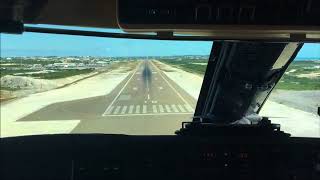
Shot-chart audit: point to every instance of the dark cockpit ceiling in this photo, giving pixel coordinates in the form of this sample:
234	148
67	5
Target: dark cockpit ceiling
210	18
93	13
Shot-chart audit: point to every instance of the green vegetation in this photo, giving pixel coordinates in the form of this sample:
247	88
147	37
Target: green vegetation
18	62
296	77
290	82
59	74
197	66
9	88
51	75
303	67
296	83
11	72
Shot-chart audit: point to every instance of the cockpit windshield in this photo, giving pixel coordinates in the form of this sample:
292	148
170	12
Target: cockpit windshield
52	84
71	84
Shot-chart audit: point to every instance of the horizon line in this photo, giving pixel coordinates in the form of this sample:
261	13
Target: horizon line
297	58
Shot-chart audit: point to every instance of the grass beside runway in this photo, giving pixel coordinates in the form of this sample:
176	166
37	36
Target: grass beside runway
301	75
197	66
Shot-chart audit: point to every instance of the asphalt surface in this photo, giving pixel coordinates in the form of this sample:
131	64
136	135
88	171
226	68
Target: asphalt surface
145	102
307	101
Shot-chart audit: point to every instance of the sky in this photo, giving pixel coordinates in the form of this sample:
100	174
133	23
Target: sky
36	44
31	44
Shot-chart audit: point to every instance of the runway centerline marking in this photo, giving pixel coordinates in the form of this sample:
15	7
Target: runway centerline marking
147	85
147	108
114	100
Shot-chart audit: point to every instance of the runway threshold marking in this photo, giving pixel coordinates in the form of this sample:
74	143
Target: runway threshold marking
131	109
124	109
116	111
138	109
170	85
154	109
188	107
174	107
144	109
161	109
167	108
114	100
151	114
181	108
109	110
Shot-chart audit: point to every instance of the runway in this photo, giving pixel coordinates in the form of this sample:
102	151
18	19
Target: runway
145	102
148	92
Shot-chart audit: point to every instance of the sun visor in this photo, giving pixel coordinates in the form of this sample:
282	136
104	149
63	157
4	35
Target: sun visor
15	12
80	13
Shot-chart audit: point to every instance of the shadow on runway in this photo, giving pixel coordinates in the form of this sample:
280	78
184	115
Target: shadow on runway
146	76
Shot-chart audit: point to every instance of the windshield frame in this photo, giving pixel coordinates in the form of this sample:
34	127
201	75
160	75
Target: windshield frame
173	36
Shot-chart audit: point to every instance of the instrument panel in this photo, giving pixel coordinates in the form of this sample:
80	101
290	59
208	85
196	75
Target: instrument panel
81	157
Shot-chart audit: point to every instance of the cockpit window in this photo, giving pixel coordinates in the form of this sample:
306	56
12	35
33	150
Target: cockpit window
52	84
295	100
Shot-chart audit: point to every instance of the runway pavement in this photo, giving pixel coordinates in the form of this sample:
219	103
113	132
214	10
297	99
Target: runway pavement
145	102
147	91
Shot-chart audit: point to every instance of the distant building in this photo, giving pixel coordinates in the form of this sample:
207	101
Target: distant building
37	67
81	65
102	63
64	65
